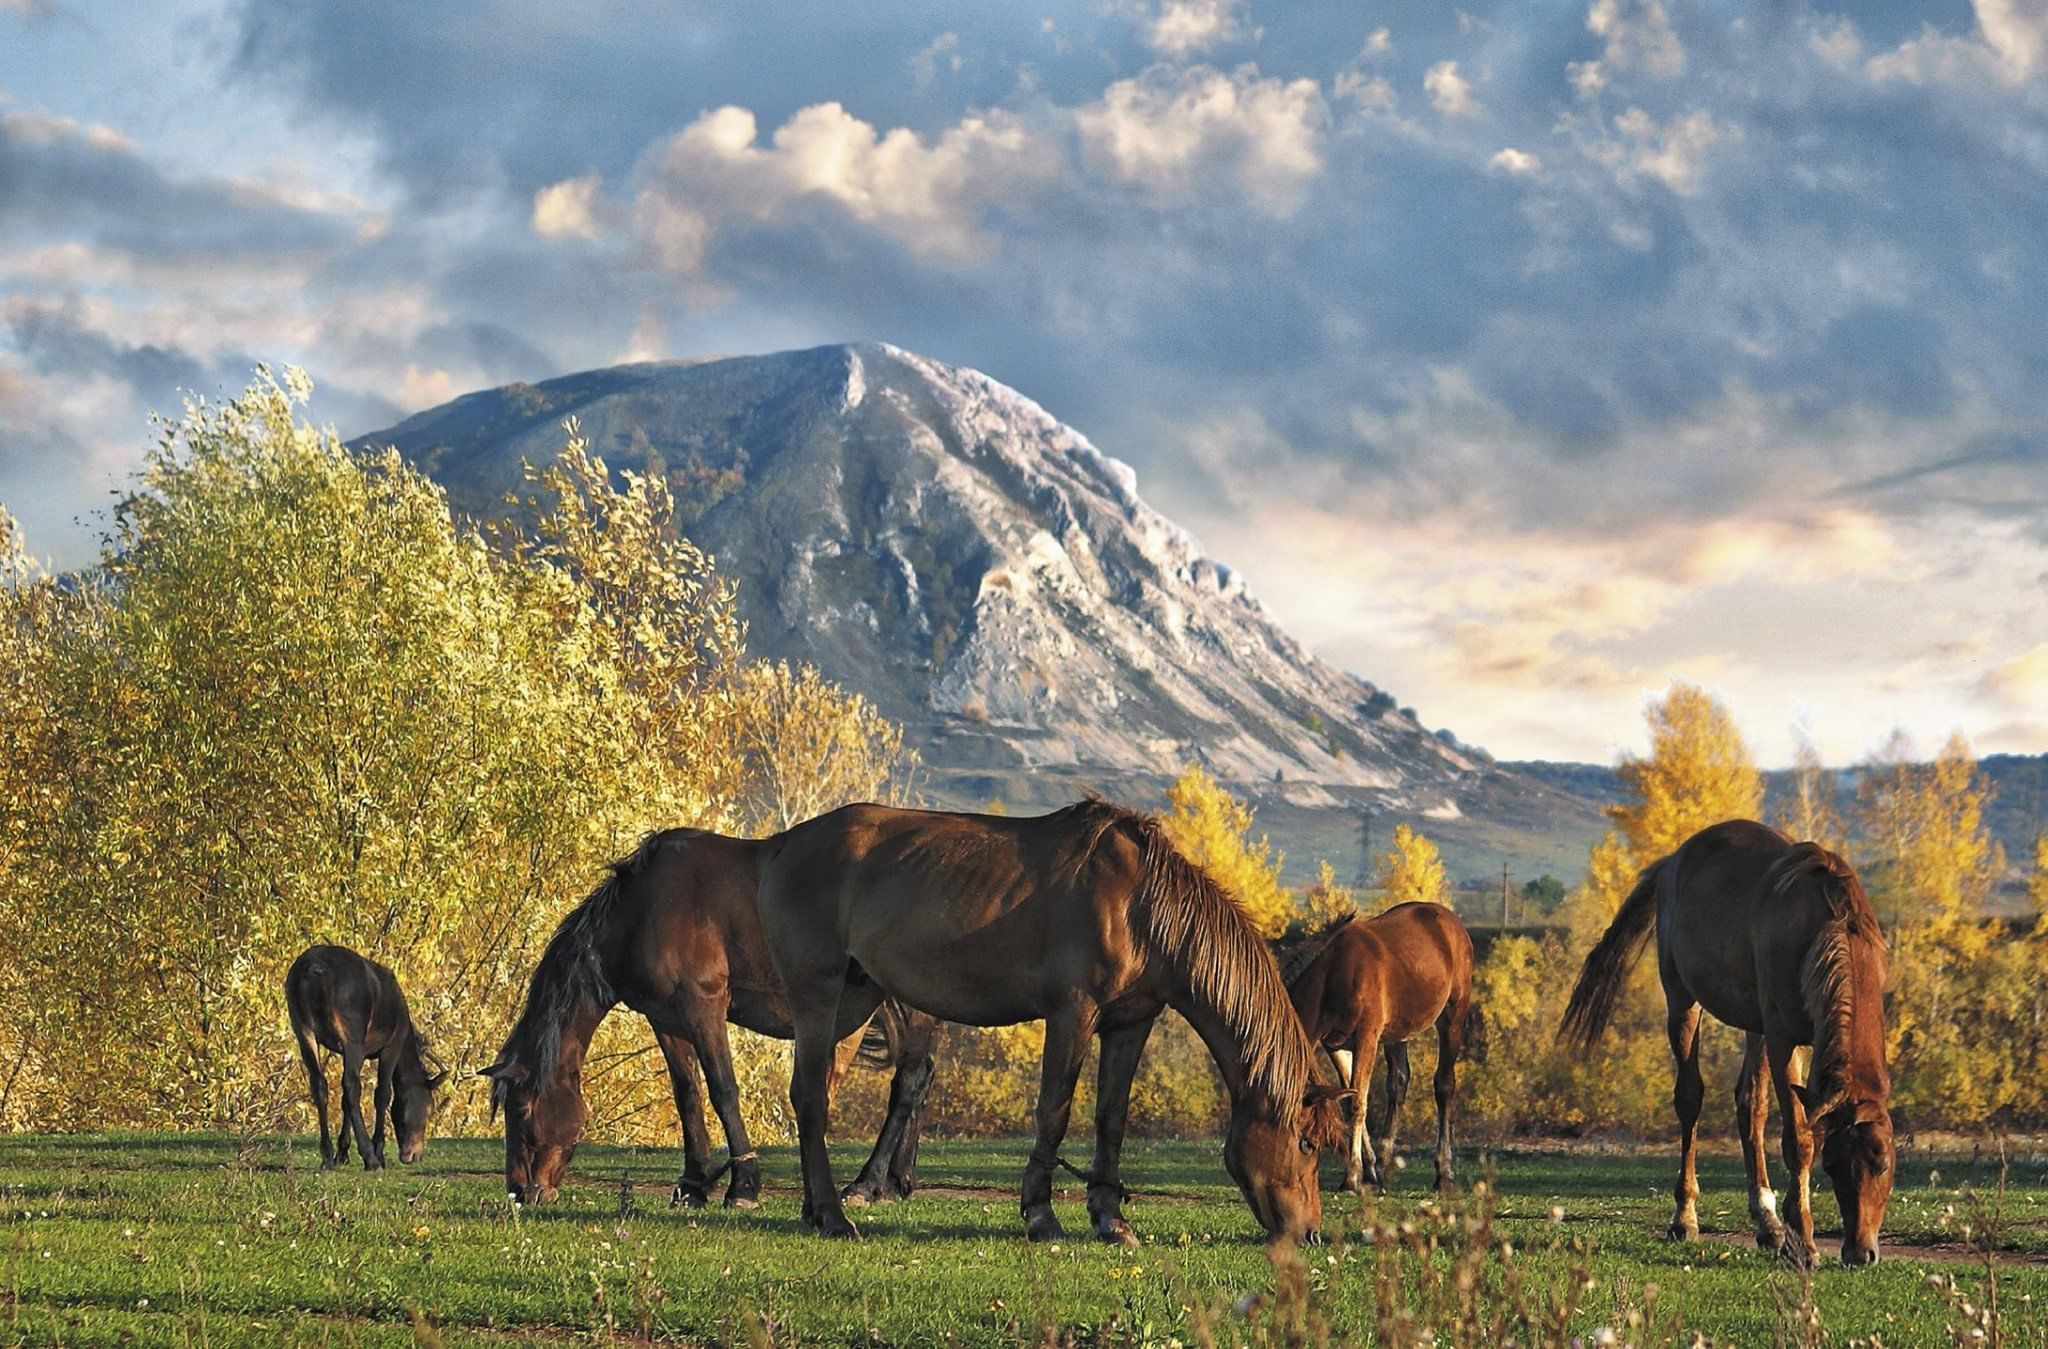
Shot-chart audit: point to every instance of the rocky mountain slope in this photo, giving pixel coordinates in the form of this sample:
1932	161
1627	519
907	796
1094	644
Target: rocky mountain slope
988	577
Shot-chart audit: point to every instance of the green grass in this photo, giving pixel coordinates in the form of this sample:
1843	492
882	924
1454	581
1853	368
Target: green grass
194	1239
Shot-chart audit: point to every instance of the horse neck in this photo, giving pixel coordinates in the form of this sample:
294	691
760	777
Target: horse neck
578	1028
1224	1046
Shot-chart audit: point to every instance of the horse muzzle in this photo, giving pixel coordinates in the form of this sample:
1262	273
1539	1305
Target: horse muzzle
1857	1256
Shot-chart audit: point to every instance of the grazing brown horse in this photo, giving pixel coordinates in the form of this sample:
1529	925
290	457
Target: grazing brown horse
1370	984
672	933
1775	938
1088	918
351	1005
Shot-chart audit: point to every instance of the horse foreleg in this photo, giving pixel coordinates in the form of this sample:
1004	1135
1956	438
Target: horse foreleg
692	1187
352	1103
714	1051
1687	1092
1117	1064
1752	1110
380	1106
810	1098
1797	1244
1450	1042
316	1082
1362	1166
1396	1055
1066	1043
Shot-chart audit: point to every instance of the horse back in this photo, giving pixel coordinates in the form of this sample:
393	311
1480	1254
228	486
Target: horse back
337	996
1730	937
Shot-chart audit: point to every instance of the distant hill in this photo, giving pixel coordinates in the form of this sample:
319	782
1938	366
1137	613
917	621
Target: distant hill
994	582
2018	813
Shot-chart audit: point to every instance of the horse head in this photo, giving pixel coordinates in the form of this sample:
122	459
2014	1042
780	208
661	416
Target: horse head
1856	1151
1275	1161
543	1124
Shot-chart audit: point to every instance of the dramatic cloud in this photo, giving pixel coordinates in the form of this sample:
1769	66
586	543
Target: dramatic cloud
1522	357
1174	132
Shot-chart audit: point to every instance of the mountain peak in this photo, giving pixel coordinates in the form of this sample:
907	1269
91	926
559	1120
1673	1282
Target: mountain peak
938	541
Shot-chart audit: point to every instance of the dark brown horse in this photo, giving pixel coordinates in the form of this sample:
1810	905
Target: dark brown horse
1775	938
1368	985
1088	918
352	1006
672	933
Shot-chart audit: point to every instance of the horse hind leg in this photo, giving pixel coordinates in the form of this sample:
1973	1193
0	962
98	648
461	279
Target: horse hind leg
1687	1094
316	1083
1752	1110
1450	1042
891	1169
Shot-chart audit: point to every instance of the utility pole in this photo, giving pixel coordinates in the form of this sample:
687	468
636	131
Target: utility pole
1503	896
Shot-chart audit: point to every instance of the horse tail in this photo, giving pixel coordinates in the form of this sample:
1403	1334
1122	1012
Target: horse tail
1598	991
1473	1031
881	1043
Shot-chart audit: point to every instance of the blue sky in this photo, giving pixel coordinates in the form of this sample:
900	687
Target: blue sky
1523	356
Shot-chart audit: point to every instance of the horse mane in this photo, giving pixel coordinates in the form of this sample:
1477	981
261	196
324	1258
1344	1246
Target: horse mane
1207	940
1826	977
1295	951
571	971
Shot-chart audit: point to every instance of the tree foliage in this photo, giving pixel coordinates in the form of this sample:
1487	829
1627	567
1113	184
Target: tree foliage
1213	828
297	702
1411	870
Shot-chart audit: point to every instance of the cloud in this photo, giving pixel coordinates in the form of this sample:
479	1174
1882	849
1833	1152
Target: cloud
1450	91
1673	153
928	196
1172	133
2020	683
2010	46
566	210
1179	29
1511	160
1639	38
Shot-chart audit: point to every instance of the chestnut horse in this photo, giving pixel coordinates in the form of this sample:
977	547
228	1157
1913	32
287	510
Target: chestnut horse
1088	918
1777	939
672	933
1365	985
352	1006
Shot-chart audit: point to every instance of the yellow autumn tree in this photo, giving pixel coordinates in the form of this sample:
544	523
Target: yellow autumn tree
2037	882
1698	772
1411	871
1809	814
1214	829
297	701
1930	856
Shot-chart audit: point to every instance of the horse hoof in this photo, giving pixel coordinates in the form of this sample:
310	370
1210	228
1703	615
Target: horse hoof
687	1195
1116	1232
745	1201
838	1228
331	1164
1794	1251
860	1196
1769	1236
1043	1226
1681	1232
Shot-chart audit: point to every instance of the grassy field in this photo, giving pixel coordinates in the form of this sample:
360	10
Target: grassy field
201	1240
